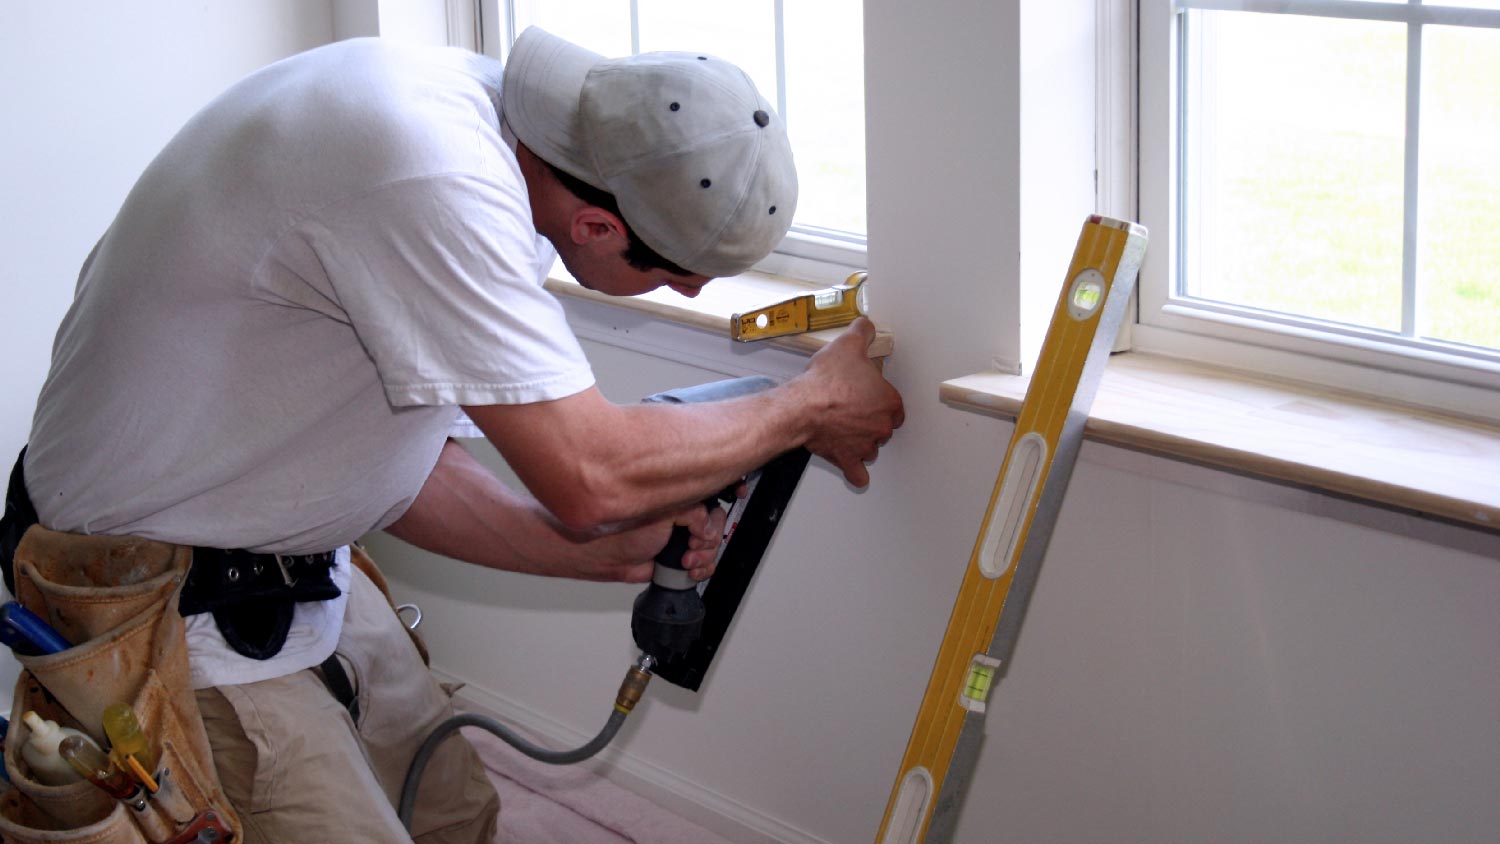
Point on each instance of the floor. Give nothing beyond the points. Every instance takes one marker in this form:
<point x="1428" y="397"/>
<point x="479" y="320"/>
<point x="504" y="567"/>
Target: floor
<point x="548" y="804"/>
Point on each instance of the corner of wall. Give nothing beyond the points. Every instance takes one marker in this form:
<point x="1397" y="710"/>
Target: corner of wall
<point x="1058" y="124"/>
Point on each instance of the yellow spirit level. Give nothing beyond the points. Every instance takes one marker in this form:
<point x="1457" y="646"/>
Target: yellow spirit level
<point x="827" y="308"/>
<point x="1007" y="556"/>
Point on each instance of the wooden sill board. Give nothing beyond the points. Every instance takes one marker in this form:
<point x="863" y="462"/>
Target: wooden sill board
<point x="1412" y="459"/>
<point x="712" y="309"/>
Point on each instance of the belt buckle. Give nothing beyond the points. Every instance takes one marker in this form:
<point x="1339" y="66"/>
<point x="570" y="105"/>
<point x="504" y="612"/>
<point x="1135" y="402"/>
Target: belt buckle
<point x="284" y="563"/>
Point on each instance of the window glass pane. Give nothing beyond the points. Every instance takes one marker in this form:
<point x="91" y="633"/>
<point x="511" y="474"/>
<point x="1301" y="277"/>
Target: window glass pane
<point x="1294" y="162"/>
<point x="743" y="32"/>
<point x="1458" y="258"/>
<point x="600" y="25"/>
<point x="826" y="110"/>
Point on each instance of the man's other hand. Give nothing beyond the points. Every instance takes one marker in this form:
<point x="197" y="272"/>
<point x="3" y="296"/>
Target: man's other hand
<point x="629" y="556"/>
<point x="857" y="410"/>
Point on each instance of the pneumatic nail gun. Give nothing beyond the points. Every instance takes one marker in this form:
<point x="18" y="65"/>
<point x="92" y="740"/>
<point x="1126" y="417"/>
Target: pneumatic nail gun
<point x="676" y="623"/>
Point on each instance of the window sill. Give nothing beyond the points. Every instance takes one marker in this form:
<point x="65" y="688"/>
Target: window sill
<point x="1422" y="461"/>
<point x="713" y="309"/>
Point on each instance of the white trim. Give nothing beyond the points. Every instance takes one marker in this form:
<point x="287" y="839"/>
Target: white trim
<point x="810" y="256"/>
<point x="1159" y="195"/>
<point x="1414" y="11"/>
<point x="1308" y="359"/>
<point x="1116" y="135"/>
<point x="1323" y="354"/>
<point x="463" y="17"/>
<point x="1271" y="327"/>
<point x="1115" y="88"/>
<point x="709" y="809"/>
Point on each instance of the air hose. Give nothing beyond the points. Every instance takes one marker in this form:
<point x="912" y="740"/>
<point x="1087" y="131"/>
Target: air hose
<point x="631" y="689"/>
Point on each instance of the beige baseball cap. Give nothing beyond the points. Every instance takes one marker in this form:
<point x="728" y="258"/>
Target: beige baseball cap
<point x="697" y="159"/>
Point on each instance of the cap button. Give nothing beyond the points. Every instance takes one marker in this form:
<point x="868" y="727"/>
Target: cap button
<point x="762" y="119"/>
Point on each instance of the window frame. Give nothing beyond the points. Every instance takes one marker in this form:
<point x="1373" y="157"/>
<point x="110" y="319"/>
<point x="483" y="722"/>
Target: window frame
<point x="809" y="253"/>
<point x="1399" y="368"/>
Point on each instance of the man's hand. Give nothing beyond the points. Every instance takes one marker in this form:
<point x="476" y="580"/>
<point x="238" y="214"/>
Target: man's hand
<point x="627" y="556"/>
<point x="858" y="408"/>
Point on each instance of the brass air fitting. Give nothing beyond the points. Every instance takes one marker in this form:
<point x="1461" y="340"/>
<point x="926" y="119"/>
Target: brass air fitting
<point x="631" y="688"/>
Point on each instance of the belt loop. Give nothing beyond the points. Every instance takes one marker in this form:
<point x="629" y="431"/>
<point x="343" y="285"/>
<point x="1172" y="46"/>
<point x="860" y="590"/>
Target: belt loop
<point x="286" y="565"/>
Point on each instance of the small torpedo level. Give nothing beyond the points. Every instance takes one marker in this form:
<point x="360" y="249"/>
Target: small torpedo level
<point x="1007" y="556"/>
<point x="827" y="308"/>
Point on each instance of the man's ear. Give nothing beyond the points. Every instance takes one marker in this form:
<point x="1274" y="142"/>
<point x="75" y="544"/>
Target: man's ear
<point x="591" y="224"/>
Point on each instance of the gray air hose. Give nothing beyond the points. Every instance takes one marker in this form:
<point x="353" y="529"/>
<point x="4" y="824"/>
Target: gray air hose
<point x="630" y="693"/>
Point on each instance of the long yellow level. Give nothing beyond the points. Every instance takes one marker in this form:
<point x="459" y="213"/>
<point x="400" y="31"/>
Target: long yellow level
<point x="1012" y="541"/>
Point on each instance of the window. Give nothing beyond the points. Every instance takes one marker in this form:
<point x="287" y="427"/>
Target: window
<point x="807" y="58"/>
<point x="1322" y="185"/>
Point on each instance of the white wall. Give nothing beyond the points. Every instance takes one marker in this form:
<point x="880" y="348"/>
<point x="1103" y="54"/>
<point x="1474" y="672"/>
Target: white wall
<point x="90" y="92"/>
<point x="1207" y="657"/>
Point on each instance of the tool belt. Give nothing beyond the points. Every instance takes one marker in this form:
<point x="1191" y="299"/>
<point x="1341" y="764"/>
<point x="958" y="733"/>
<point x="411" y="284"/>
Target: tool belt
<point x="120" y="601"/>
<point x="252" y="596"/>
<point x="116" y="600"/>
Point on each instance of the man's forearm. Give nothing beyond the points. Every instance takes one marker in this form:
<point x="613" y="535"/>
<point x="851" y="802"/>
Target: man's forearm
<point x="593" y="463"/>
<point x="465" y="513"/>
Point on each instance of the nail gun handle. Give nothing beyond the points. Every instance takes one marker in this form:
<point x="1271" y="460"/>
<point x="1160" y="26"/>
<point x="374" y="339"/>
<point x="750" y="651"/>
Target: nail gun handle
<point x="677" y="545"/>
<point x="671" y="555"/>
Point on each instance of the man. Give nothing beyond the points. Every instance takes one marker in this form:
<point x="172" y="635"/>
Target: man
<point x="316" y="281"/>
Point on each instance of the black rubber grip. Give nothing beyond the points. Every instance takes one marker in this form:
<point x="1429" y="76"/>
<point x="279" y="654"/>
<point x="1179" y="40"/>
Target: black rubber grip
<point x="677" y="546"/>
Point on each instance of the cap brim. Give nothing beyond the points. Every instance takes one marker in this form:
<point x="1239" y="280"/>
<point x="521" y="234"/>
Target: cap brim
<point x="544" y="78"/>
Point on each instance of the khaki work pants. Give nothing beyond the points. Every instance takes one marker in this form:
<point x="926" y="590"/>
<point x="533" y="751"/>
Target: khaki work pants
<point x="299" y="770"/>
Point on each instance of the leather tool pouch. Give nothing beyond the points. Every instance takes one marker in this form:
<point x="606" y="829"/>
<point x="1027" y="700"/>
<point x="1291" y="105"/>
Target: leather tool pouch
<point x="116" y="599"/>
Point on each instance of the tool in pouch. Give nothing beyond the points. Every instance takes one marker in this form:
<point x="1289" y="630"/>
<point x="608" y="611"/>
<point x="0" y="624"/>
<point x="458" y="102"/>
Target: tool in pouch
<point x="1002" y="571"/>
<point x="813" y="311"/>
<point x="678" y="625"/>
<point x="112" y="602"/>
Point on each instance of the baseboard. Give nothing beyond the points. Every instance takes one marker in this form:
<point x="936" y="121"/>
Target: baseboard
<point x="709" y="809"/>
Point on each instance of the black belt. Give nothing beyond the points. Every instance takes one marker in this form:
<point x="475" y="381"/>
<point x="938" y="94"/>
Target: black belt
<point x="252" y="595"/>
<point x="19" y="515"/>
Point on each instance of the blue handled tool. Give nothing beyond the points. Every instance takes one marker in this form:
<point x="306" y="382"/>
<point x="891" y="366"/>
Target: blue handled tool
<point x="26" y="633"/>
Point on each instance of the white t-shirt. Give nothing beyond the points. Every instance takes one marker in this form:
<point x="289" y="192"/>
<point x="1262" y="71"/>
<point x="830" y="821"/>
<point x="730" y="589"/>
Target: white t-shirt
<point x="268" y="347"/>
